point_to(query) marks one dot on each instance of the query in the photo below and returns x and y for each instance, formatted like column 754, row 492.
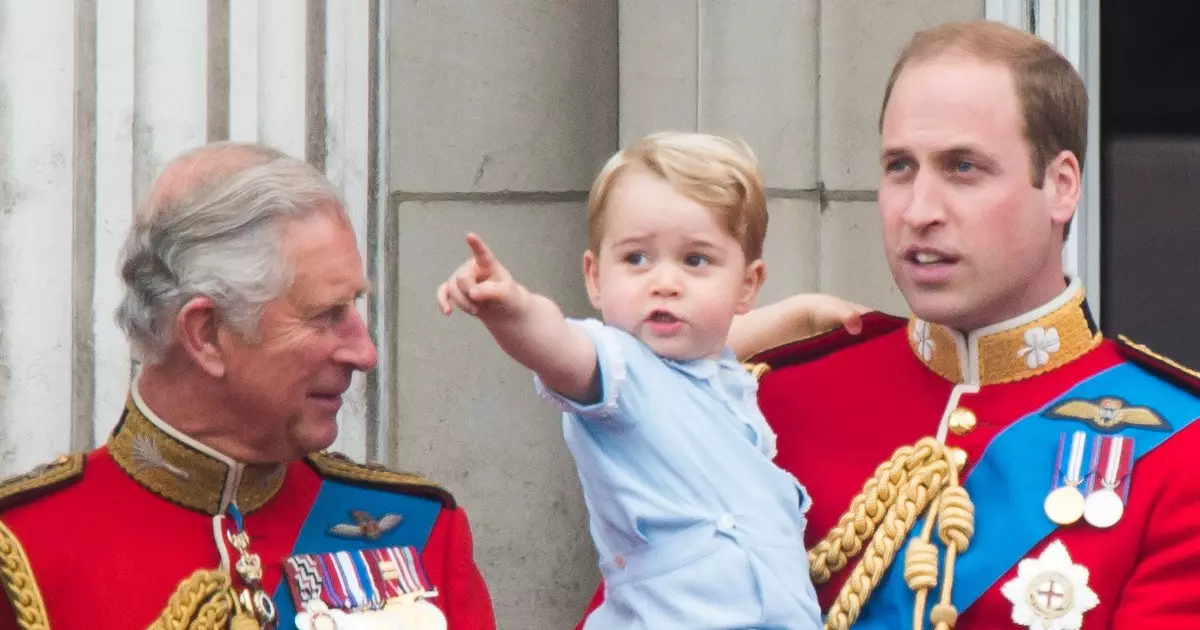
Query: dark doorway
column 1150, row 137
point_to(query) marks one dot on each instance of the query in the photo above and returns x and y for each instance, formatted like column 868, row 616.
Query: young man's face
column 970, row 241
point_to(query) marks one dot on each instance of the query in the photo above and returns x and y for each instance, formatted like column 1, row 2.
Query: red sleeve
column 592, row 605
column 8, row 617
column 462, row 593
column 1161, row 593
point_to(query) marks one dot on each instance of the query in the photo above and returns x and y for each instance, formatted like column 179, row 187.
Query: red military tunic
column 842, row 404
column 104, row 540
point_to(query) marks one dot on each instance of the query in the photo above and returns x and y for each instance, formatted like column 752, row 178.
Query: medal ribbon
column 304, row 579
column 334, row 591
column 359, row 598
column 1113, row 463
column 356, row 581
column 369, row 560
column 1075, row 476
column 365, row 579
column 412, row 575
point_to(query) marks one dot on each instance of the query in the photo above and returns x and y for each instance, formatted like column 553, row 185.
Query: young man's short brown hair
column 1052, row 97
column 718, row 173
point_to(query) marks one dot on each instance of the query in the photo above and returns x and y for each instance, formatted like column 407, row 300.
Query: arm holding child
column 791, row 319
column 529, row 327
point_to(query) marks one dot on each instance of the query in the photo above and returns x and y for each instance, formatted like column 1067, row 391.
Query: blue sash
column 1010, row 482
column 334, row 502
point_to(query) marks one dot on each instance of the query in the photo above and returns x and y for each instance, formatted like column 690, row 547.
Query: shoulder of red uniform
column 41, row 481
column 339, row 467
column 875, row 324
column 1163, row 367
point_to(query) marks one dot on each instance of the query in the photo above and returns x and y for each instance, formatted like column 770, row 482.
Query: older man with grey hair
column 213, row 504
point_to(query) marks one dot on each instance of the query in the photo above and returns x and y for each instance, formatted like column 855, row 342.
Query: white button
column 619, row 561
column 725, row 522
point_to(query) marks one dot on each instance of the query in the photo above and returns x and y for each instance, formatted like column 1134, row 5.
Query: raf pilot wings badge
column 1109, row 414
column 366, row 526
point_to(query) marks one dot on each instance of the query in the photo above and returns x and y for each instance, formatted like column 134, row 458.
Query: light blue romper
column 695, row 527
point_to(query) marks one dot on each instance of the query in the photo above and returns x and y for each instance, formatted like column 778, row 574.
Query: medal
column 1065, row 504
column 419, row 614
column 318, row 616
column 253, row 599
column 1050, row 591
column 1104, row 506
column 408, row 591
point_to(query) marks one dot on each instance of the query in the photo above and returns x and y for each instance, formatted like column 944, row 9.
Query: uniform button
column 725, row 523
column 962, row 421
column 619, row 561
column 959, row 456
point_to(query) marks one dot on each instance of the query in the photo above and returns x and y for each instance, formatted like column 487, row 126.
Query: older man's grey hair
column 211, row 226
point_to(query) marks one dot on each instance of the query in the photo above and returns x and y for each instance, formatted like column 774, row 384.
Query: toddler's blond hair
column 718, row 173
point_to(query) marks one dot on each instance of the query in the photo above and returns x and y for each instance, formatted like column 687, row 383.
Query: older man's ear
column 200, row 334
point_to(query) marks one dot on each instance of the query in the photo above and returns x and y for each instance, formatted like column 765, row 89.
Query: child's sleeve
column 612, row 368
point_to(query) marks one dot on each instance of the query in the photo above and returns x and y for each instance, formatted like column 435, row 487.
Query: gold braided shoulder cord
column 203, row 601
column 19, row 583
column 882, row 516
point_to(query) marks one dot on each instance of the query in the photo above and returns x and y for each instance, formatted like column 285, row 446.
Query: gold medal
column 426, row 616
column 416, row 615
column 377, row 618
column 1065, row 505
column 407, row 590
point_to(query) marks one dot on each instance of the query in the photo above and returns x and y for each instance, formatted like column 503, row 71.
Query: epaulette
column 337, row 466
column 42, row 480
column 1168, row 369
column 874, row 324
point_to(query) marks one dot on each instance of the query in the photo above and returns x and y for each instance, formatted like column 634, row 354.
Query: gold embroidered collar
column 1022, row 347
column 184, row 471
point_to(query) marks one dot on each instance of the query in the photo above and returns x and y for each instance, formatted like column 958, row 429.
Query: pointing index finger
column 484, row 259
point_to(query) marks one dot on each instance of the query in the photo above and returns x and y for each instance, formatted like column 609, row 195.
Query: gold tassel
column 243, row 621
column 243, row 616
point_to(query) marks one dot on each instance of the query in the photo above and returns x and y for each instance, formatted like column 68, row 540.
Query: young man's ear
column 756, row 275
column 1062, row 186
column 591, row 277
column 198, row 332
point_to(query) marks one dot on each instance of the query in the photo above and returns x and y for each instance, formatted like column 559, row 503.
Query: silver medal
column 1104, row 507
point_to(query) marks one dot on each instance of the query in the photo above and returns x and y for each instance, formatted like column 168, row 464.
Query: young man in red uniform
column 212, row 505
column 1021, row 470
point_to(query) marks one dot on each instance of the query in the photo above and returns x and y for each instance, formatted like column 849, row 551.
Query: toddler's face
column 666, row 272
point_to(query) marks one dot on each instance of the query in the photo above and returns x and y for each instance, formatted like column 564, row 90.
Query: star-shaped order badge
column 1050, row 592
